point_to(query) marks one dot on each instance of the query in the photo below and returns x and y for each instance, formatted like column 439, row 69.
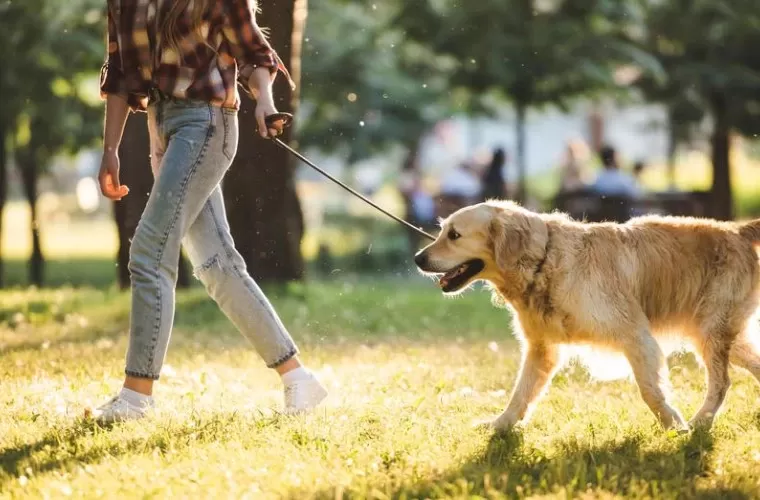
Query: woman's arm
column 257, row 60
column 117, row 110
column 249, row 47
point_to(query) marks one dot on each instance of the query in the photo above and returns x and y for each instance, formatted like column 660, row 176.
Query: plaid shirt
column 208, row 69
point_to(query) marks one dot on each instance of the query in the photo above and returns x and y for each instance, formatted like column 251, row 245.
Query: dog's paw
column 498, row 426
column 702, row 422
column 483, row 425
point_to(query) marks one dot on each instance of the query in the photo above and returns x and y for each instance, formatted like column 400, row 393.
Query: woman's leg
column 223, row 272
column 191, row 167
column 186, row 200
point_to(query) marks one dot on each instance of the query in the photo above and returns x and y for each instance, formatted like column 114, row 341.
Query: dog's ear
column 517, row 236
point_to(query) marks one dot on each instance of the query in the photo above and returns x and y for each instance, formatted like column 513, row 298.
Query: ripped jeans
column 192, row 146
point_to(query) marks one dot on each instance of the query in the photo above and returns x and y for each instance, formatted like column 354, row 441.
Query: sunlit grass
column 408, row 372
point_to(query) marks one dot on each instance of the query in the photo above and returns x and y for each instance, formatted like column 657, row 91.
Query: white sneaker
column 119, row 409
column 304, row 395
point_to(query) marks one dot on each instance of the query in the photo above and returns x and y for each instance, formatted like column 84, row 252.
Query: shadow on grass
column 111, row 322
column 85, row 442
column 628, row 467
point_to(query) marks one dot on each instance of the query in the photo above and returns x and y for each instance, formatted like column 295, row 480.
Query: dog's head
column 487, row 241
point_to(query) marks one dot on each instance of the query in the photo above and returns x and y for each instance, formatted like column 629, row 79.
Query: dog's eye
column 453, row 235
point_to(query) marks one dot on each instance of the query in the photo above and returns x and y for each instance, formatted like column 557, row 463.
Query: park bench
column 585, row 204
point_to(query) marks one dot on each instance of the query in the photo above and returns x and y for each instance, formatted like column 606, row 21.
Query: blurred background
column 603, row 108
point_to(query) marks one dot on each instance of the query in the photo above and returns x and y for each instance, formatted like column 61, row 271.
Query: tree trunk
column 29, row 170
column 3, row 190
column 722, row 199
column 521, row 156
column 136, row 173
column 596, row 128
column 260, row 193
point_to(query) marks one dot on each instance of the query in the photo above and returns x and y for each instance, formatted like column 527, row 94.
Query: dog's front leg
column 539, row 364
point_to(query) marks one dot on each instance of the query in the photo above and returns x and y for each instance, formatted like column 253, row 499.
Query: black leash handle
column 287, row 119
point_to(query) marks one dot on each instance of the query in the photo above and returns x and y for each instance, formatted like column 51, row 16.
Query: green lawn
column 408, row 370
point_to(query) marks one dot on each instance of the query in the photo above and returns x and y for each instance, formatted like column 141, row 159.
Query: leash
column 287, row 119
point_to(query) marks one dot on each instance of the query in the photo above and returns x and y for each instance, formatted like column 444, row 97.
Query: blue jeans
column 192, row 146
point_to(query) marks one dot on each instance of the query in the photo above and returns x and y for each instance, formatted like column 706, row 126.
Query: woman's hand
column 266, row 108
column 109, row 176
column 260, row 84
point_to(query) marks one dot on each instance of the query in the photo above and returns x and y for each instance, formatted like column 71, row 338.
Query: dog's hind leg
column 745, row 353
column 715, row 354
column 651, row 373
column 540, row 363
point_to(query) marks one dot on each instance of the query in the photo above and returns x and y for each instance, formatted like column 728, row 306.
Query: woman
column 180, row 61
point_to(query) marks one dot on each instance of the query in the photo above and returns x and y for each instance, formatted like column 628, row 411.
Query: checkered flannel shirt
column 229, row 48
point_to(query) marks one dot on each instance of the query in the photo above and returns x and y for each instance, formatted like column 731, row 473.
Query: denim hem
column 130, row 373
column 292, row 353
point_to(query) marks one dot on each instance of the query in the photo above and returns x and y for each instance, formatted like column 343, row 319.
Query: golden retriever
column 619, row 287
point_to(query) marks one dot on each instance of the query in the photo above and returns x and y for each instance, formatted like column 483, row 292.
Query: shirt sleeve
column 249, row 47
column 112, row 79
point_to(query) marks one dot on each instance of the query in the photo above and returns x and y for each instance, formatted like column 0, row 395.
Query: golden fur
column 618, row 287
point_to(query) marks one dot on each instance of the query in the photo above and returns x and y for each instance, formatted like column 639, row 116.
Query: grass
column 408, row 372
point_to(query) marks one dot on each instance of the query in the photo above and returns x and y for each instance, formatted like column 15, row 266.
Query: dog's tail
column 751, row 231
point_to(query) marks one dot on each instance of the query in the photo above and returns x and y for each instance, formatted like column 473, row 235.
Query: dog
column 616, row 287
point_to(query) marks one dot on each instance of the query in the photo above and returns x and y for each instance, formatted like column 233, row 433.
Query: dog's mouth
column 456, row 278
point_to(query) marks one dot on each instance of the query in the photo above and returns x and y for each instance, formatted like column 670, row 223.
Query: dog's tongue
column 443, row 282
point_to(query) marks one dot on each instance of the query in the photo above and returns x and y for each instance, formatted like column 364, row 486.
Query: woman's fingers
column 109, row 189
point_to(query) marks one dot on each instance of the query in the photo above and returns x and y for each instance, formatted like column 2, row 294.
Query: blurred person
column 419, row 204
column 461, row 182
column 572, row 174
column 612, row 181
column 459, row 187
column 493, row 182
column 181, row 61
column 408, row 180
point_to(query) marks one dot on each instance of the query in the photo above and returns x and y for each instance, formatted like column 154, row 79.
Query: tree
column 532, row 53
column 707, row 50
column 46, row 54
column 260, row 194
column 370, row 87
column 21, row 28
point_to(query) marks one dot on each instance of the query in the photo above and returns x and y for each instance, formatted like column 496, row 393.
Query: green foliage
column 546, row 53
column 365, row 85
column 706, row 47
column 48, row 52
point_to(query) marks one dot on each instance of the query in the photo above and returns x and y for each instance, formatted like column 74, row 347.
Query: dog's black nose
column 421, row 259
